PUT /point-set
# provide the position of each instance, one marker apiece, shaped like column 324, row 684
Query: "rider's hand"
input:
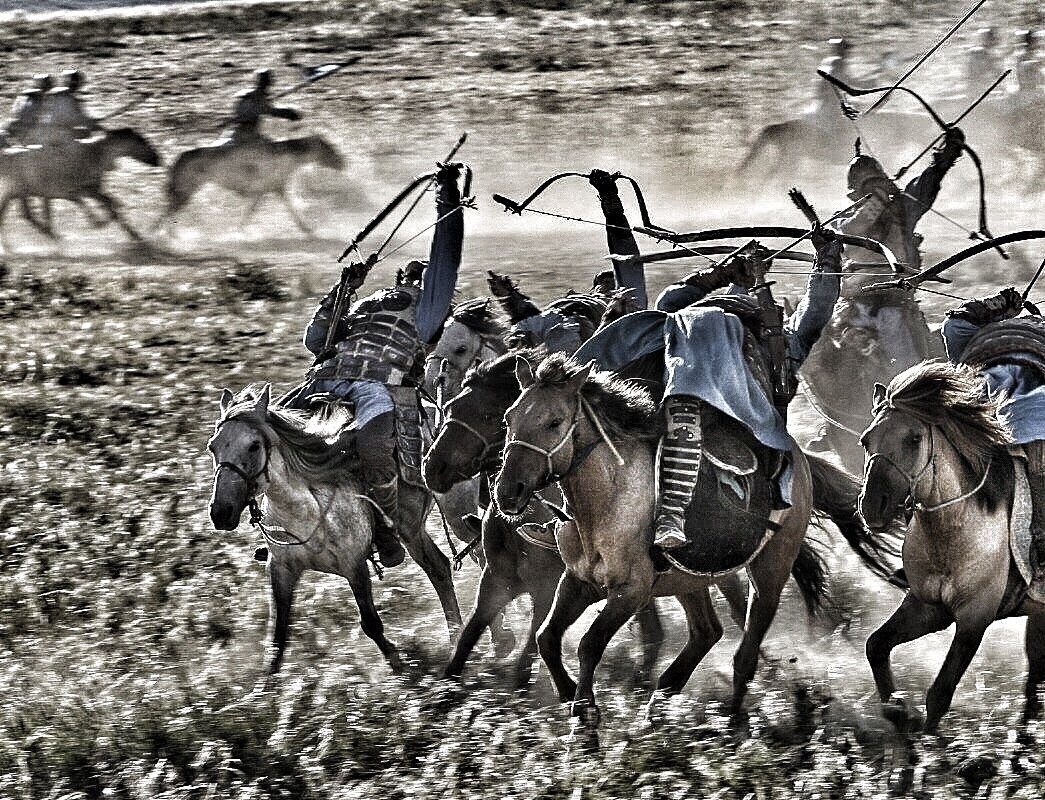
column 953, row 136
column 828, row 247
column 1011, row 300
column 602, row 180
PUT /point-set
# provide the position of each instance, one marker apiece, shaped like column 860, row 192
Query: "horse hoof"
column 586, row 712
column 897, row 712
column 261, row 554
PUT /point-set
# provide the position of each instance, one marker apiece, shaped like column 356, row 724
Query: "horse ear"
column 262, row 406
column 578, row 380
column 879, row 395
column 226, row 400
column 523, row 373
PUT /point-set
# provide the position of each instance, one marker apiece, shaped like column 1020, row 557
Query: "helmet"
column 863, row 169
column 263, row 78
column 43, row 82
column 73, row 79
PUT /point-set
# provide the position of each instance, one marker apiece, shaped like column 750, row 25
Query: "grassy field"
column 131, row 633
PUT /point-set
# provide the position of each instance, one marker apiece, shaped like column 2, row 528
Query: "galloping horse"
column 72, row 171
column 474, row 332
column 251, row 169
column 936, row 447
column 469, row 443
column 598, row 437
column 326, row 521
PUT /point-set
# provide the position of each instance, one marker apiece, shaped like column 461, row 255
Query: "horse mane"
column 477, row 315
column 953, row 398
column 498, row 373
column 625, row 410
column 310, row 443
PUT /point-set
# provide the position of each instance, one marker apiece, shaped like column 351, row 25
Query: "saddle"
column 728, row 519
column 1012, row 341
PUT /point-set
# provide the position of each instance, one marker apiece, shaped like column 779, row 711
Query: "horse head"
column 472, row 433
column 321, row 152
column 541, row 424
column 240, row 449
column 127, row 142
column 473, row 332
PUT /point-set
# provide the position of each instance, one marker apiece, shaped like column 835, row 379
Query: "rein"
column 914, row 479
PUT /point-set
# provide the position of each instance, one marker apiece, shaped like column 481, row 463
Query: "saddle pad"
column 1019, row 529
column 728, row 521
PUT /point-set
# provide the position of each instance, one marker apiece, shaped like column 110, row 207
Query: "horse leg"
column 704, row 631
column 43, row 225
column 542, row 604
column 1035, row 645
column 967, row 637
column 621, row 605
column 652, row 635
column 95, row 222
column 109, row 204
column 369, row 619
column 251, row 210
column 427, row 555
column 493, row 595
column 912, row 620
column 572, row 597
column 294, row 214
column 732, row 588
column 283, row 578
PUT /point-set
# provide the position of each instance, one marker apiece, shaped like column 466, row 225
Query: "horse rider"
column 251, row 106
column 890, row 214
column 26, row 116
column 63, row 116
column 568, row 322
column 1028, row 68
column 1019, row 387
column 981, row 60
column 377, row 357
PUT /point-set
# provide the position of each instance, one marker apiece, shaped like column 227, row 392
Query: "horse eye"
column 254, row 447
column 914, row 439
column 555, row 423
column 460, row 351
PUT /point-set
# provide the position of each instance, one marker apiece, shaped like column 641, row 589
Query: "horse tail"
column 836, row 494
column 810, row 573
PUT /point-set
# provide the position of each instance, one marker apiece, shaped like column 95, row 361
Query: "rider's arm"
column 921, row 192
column 817, row 304
column 962, row 322
column 619, row 238
column 515, row 303
column 316, row 332
column 440, row 276
column 698, row 285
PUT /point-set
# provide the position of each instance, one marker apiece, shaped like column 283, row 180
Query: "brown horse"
column 598, row 437
column 72, row 171
column 250, row 169
column 937, row 448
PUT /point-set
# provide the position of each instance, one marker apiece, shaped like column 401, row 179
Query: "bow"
column 983, row 232
column 517, row 208
column 932, row 273
column 750, row 232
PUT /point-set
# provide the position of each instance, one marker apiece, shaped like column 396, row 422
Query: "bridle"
column 488, row 446
column 913, row 479
column 251, row 481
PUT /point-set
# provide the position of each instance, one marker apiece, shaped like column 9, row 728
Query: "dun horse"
column 935, row 446
column 324, row 520
column 73, row 172
column 252, row 170
column 570, row 425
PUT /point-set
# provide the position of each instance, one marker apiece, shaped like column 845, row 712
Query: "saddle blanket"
column 1019, row 527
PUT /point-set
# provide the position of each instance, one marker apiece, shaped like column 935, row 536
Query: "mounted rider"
column 687, row 327
column 890, row 215
column 1014, row 377
column 565, row 324
column 251, row 106
column 836, row 63
column 377, row 355
column 63, row 117
column 26, row 115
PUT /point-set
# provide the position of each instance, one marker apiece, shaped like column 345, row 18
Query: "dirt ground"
column 131, row 632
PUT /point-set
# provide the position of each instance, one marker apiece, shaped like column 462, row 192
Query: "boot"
column 677, row 468
column 1036, row 477
column 386, row 542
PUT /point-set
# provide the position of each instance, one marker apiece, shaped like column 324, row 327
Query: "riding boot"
column 677, row 469
column 386, row 540
column 1036, row 477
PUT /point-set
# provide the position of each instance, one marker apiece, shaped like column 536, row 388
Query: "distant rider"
column 64, row 118
column 378, row 353
column 26, row 115
column 1020, row 388
column 254, row 104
